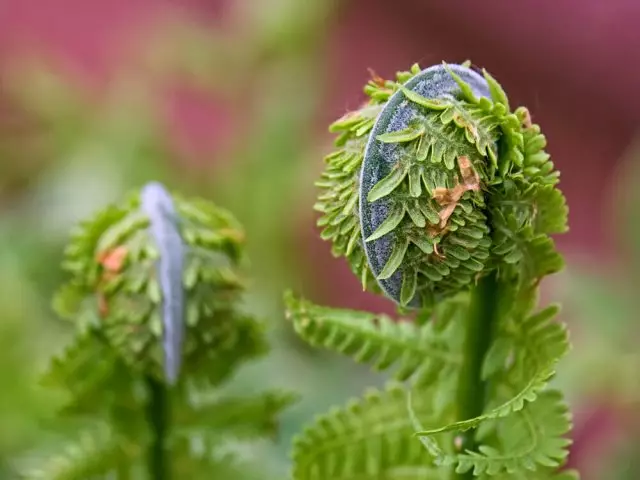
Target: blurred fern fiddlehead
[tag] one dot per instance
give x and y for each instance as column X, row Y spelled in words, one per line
column 156, row 285
column 443, row 199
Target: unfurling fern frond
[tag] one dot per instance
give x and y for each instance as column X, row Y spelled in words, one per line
column 155, row 293
column 518, row 365
column 420, row 171
column 115, row 286
column 442, row 197
column 420, row 353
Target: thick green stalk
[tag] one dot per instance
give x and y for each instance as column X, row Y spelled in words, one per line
column 479, row 331
column 158, row 418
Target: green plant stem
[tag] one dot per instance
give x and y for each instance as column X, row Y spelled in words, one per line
column 157, row 415
column 479, row 332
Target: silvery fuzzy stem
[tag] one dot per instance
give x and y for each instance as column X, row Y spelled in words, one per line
column 434, row 83
column 158, row 205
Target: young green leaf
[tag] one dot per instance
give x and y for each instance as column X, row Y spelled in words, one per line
column 395, row 259
column 431, row 104
column 369, row 437
column 528, row 444
column 418, row 353
column 498, row 94
column 405, row 135
column 390, row 223
column 389, row 183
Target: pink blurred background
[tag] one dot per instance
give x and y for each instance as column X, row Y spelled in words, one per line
column 573, row 63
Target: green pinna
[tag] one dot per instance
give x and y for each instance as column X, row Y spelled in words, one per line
column 442, row 199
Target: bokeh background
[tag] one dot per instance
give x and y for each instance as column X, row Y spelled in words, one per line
column 230, row 100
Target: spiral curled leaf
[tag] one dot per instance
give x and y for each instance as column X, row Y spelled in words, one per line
column 338, row 201
column 115, row 287
column 436, row 185
column 435, row 181
column 116, row 297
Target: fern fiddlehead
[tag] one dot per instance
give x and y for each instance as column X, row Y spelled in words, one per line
column 417, row 142
column 158, row 206
column 155, row 288
column 443, row 199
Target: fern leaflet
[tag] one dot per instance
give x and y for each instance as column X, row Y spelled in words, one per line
column 368, row 438
column 419, row 353
column 527, row 351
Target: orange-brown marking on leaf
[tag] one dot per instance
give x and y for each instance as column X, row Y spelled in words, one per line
column 349, row 116
column 443, row 195
column 436, row 252
column 470, row 127
column 469, row 175
column 449, row 197
column 379, row 82
column 526, row 118
column 446, row 212
column 377, row 79
column 474, row 131
column 113, row 259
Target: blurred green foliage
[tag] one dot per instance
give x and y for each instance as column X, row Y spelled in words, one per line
column 600, row 300
column 67, row 152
